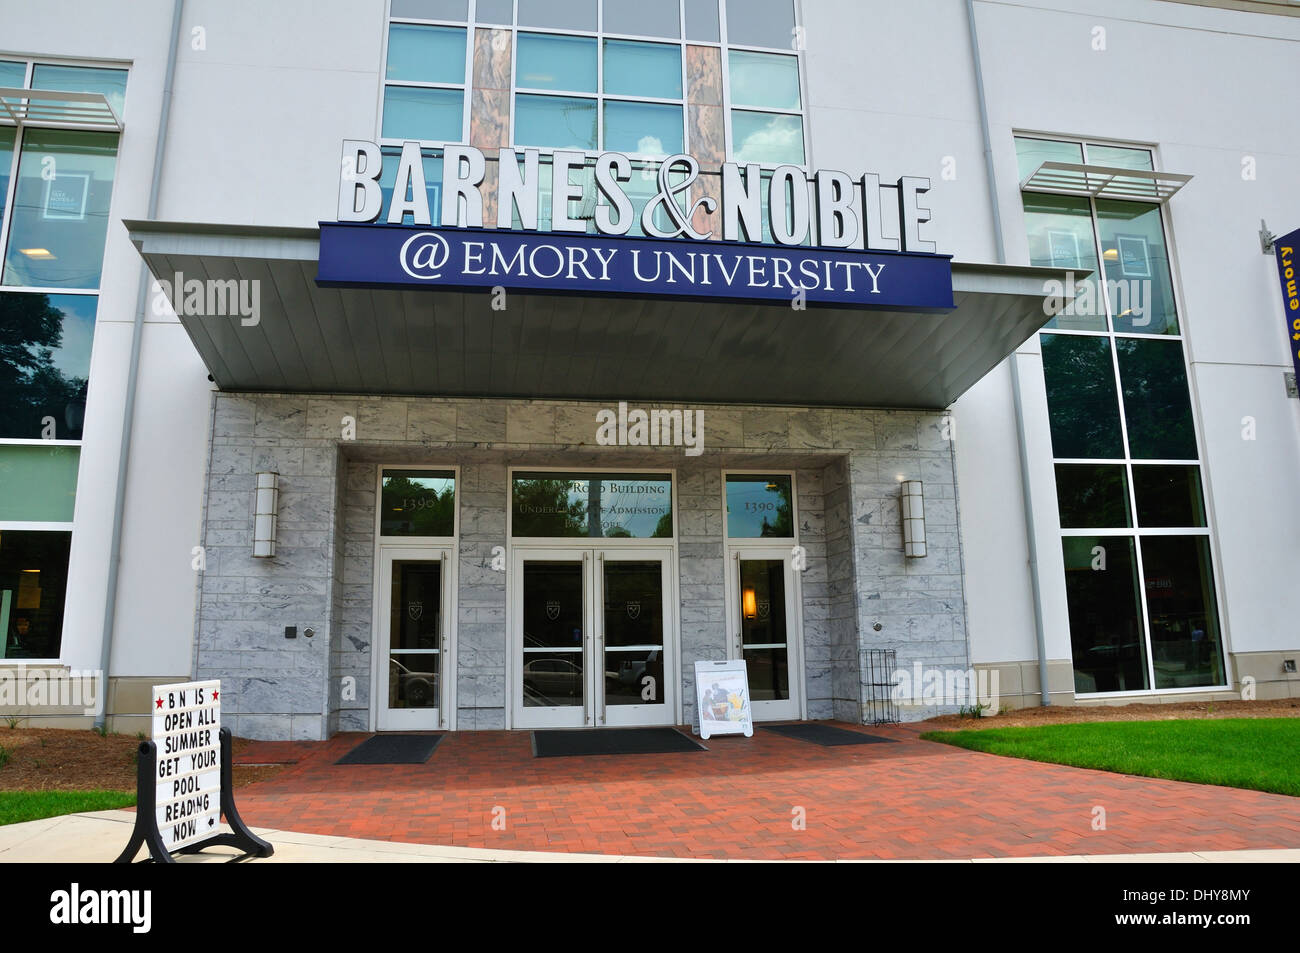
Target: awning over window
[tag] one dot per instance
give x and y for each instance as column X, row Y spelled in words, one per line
column 313, row 339
column 58, row 109
column 1104, row 182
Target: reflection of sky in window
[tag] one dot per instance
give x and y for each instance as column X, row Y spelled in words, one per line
column 743, row 524
column 72, row 358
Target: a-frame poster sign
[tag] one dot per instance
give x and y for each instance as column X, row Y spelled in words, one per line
column 184, row 780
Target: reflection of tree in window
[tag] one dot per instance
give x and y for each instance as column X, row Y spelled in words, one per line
column 412, row 507
column 543, row 508
column 31, row 386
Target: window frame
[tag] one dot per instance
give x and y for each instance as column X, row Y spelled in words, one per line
column 1136, row 531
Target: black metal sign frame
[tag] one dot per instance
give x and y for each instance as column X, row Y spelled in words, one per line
column 146, row 814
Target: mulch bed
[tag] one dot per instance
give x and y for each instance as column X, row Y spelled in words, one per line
column 1071, row 714
column 55, row 759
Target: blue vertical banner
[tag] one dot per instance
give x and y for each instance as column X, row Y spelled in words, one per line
column 1285, row 249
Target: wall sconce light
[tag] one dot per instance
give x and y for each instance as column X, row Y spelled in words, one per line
column 913, row 500
column 267, row 506
column 749, row 604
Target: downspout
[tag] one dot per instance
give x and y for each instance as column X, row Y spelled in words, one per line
column 990, row 167
column 133, row 374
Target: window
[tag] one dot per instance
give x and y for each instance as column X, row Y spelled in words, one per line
column 760, row 506
column 591, row 505
column 417, row 503
column 1138, row 562
column 56, row 189
column 643, row 79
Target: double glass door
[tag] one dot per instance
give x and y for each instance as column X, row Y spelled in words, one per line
column 414, row 616
column 592, row 637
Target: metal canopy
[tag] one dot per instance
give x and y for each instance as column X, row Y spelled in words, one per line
column 57, row 109
column 1104, row 182
column 310, row 339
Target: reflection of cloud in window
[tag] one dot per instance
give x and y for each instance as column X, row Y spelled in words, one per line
column 775, row 138
column 650, row 146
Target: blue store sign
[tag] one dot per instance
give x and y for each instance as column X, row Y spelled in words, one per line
column 399, row 256
column 1285, row 248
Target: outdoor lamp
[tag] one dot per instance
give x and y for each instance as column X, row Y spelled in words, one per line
column 749, row 604
column 266, row 507
column 913, row 501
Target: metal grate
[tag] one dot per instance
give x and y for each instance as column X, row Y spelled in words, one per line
column 880, row 707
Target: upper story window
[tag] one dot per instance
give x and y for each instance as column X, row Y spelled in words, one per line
column 648, row 79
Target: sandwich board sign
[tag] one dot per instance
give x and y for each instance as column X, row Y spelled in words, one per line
column 722, row 698
column 184, row 778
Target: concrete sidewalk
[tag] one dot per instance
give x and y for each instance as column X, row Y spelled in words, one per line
column 99, row 837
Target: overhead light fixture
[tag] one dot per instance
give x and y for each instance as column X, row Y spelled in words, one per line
column 913, row 502
column 41, row 254
column 749, row 604
column 265, row 512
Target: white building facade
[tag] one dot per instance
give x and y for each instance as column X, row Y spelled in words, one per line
column 470, row 525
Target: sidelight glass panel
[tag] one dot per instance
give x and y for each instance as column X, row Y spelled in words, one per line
column 1157, row 405
column 651, row 70
column 1081, row 401
column 45, row 343
column 548, row 61
column 38, row 483
column 1168, row 495
column 555, row 122
column 633, row 632
column 426, row 54
column 768, row 138
column 1092, row 496
column 760, row 507
column 1101, row 587
column 764, row 639
column 1060, row 236
column 650, row 129
column 1137, row 267
column 83, row 79
column 60, row 210
column 415, row 635
column 765, row 80
column 1186, row 649
column 417, row 112
column 576, row 504
column 418, row 503
column 33, row 585
column 767, row 23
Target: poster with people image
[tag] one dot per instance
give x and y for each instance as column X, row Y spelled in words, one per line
column 722, row 693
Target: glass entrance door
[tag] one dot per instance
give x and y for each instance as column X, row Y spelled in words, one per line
column 761, row 607
column 413, row 632
column 592, row 637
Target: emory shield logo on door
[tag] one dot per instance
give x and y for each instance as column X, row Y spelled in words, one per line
column 552, row 610
column 633, row 609
column 415, row 610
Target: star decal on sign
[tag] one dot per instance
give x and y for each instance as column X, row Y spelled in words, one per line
column 215, row 695
column 160, row 703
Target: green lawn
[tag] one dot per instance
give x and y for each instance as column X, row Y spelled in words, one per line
column 1257, row 753
column 17, row 806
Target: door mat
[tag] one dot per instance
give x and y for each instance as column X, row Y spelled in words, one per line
column 392, row 749
column 827, row 736
column 553, row 743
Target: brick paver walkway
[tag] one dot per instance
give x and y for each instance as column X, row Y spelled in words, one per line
column 912, row 799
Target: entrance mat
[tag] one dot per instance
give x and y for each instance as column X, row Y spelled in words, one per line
column 554, row 743
column 827, row 736
column 392, row 749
